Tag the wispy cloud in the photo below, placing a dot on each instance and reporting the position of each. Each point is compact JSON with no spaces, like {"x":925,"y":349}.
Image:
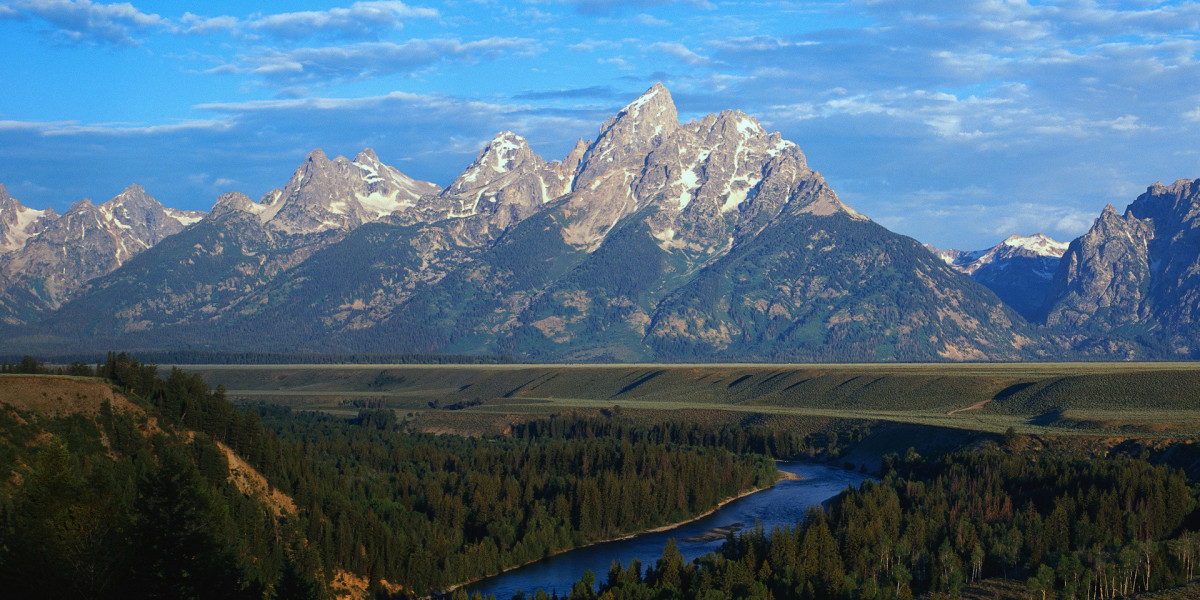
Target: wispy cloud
{"x":681,"y":52}
{"x":360,"y":20}
{"x":85,"y":21}
{"x":607,"y":7}
{"x":120,"y":24}
{"x":591,"y":45}
{"x":285,"y":67}
{"x":597,"y":91}
{"x":198,"y":25}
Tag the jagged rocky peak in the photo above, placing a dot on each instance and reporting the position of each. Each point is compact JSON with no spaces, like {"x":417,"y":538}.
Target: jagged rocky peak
{"x":651,"y":114}
{"x":18,"y":223}
{"x":1110,"y":223}
{"x":86,"y":242}
{"x":1107,"y":267}
{"x":146,"y":218}
{"x":340,"y":194}
{"x":387,"y":189}
{"x":367,"y":156}
{"x":237,"y":202}
{"x":506,"y":153}
{"x":631,"y":132}
{"x":1019,"y":269}
{"x":1176,"y":204}
{"x":149,"y":221}
{"x":1038,"y":245}
{"x":719,"y":160}
{"x":571,"y":163}
{"x":712,"y":180}
{"x":1136,"y":272}
{"x":506,"y":183}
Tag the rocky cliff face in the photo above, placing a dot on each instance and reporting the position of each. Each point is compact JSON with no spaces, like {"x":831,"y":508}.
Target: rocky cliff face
{"x":506,"y":184}
{"x":1105,"y":269}
{"x":1019,"y":270}
{"x":1135,"y":277}
{"x":18,"y":223}
{"x":86,"y":242}
{"x":337,"y":194}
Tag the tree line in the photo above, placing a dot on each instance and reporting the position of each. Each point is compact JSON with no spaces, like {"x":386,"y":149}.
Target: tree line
{"x":429,"y":511}
{"x":1069,"y":527}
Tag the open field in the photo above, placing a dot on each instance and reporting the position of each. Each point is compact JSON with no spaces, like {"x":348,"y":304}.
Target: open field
{"x":1131,"y":399}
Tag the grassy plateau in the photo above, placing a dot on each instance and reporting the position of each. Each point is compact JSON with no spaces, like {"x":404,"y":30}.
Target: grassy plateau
{"x":1109,"y":399}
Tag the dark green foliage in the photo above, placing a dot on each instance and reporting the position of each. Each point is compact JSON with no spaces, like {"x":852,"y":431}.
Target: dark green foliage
{"x":431,"y":511}
{"x":176,"y":530}
{"x":596,"y":299}
{"x":138,"y":517}
{"x":29,"y":365}
{"x":157,"y":516}
{"x":59,"y":535}
{"x":296,"y":584}
{"x":1094,"y":527}
{"x":736,"y":438}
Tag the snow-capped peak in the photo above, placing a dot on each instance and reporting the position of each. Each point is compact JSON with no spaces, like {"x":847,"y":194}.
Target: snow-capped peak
{"x":1038,"y":243}
{"x":503,"y":152}
{"x":646,"y":97}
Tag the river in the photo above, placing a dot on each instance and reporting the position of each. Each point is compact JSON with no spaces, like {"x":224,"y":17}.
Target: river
{"x":783,"y":504}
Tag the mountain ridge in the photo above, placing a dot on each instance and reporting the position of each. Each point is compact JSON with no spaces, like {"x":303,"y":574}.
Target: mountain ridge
{"x":656,"y":240}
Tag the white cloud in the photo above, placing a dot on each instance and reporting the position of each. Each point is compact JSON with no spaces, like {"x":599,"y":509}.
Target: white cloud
{"x":605,"y":7}
{"x":124,"y":129}
{"x":1125,"y":123}
{"x":196,"y":24}
{"x":757,"y":43}
{"x":649,"y":20}
{"x":680,"y":52}
{"x":618,"y":61}
{"x":361,"y":19}
{"x":591,"y":45}
{"x":118,"y":23}
{"x":85,"y":21}
{"x":371,"y":59}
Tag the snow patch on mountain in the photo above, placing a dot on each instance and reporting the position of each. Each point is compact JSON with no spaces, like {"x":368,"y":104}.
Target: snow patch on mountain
{"x":185,"y":217}
{"x":19,"y":223}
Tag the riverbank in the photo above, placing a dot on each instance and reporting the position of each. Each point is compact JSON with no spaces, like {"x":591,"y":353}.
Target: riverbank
{"x":782,"y":476}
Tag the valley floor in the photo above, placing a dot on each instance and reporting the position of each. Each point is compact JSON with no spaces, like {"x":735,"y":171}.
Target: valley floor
{"x":1155,"y":400}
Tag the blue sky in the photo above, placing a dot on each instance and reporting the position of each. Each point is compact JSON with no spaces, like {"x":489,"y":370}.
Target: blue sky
{"x":957,"y":122}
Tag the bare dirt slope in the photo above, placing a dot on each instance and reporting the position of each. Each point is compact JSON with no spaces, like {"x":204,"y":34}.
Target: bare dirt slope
{"x":58,"y":396}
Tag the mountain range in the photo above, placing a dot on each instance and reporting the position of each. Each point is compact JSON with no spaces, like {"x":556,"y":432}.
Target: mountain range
{"x":656,"y":240}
